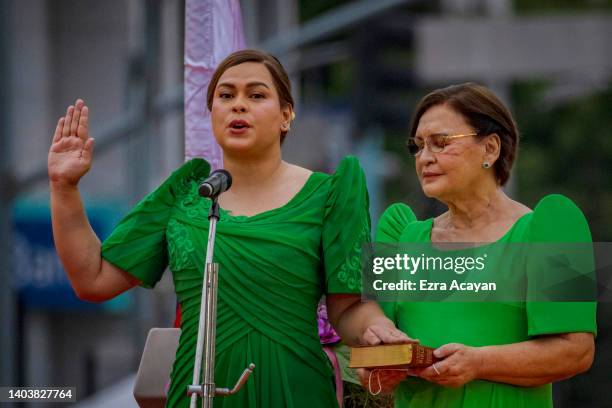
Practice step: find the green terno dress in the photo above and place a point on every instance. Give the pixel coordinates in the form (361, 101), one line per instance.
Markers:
(274, 267)
(555, 219)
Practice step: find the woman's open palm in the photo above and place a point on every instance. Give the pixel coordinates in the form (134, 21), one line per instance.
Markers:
(71, 151)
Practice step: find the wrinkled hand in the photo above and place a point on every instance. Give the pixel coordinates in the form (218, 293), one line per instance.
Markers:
(460, 364)
(380, 380)
(71, 151)
(377, 381)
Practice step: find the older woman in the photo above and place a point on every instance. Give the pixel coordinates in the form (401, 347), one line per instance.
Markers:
(464, 141)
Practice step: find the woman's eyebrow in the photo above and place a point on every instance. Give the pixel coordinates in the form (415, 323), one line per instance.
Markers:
(254, 84)
(226, 85)
(418, 136)
(249, 85)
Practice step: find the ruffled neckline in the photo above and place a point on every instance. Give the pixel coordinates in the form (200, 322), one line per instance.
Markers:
(304, 192)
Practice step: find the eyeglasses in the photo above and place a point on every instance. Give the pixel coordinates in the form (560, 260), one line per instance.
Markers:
(435, 143)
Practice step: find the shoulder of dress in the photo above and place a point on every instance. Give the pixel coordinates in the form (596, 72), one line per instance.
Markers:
(394, 220)
(398, 213)
(196, 168)
(347, 180)
(348, 164)
(192, 170)
(555, 201)
(556, 218)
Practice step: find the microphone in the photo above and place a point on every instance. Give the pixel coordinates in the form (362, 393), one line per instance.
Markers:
(217, 182)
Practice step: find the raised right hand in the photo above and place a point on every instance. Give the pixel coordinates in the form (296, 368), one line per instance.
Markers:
(71, 151)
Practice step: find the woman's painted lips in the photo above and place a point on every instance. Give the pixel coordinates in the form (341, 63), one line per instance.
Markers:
(239, 126)
(430, 175)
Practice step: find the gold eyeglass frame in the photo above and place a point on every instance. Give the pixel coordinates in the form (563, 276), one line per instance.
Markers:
(427, 142)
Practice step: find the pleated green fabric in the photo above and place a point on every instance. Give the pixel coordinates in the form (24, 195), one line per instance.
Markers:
(274, 267)
(556, 219)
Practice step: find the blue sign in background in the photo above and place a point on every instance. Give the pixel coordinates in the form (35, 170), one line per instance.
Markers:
(38, 276)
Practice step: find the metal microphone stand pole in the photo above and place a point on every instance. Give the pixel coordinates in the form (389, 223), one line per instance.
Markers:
(207, 327)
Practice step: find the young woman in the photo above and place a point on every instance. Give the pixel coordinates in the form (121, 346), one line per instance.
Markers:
(285, 237)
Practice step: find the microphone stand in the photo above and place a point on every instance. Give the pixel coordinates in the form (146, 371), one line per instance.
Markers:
(208, 326)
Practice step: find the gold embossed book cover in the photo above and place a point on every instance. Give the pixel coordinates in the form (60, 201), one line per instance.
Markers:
(409, 355)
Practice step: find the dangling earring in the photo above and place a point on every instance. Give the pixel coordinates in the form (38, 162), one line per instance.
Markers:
(486, 165)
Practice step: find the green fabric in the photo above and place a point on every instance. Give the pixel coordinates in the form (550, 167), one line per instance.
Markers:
(274, 267)
(555, 219)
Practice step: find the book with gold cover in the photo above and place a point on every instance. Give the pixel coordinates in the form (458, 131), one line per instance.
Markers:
(410, 355)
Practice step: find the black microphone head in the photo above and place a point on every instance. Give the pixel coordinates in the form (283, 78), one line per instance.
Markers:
(205, 189)
(227, 176)
(216, 183)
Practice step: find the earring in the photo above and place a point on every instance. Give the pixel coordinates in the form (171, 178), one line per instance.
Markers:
(285, 127)
(486, 165)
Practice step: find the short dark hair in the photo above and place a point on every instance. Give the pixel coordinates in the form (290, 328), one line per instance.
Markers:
(484, 112)
(276, 69)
